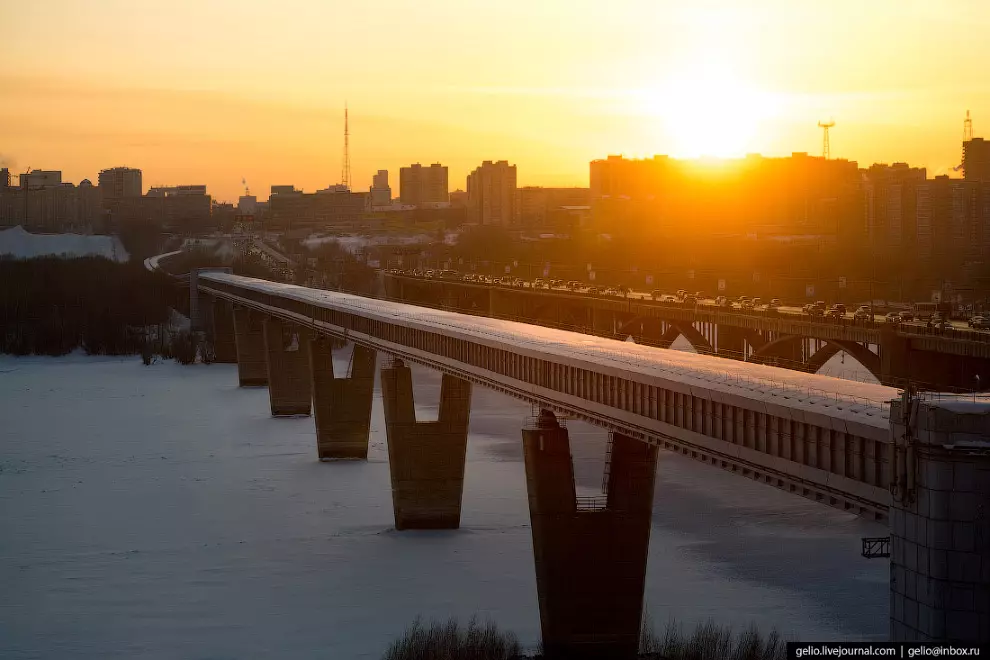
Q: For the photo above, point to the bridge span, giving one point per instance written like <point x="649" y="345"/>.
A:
<point x="828" y="439"/>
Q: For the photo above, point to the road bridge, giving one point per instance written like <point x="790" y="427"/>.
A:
<point x="827" y="439"/>
<point x="895" y="355"/>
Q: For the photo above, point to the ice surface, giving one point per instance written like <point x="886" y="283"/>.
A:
<point x="23" y="245"/>
<point x="160" y="512"/>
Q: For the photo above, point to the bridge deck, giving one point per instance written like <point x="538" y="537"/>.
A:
<point x="840" y="399"/>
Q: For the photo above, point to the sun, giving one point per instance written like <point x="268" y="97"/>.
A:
<point x="706" y="109"/>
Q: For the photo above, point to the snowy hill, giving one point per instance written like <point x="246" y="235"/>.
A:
<point x="23" y="245"/>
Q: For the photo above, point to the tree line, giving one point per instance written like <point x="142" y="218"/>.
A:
<point x="52" y="306"/>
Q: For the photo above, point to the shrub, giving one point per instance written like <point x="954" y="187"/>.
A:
<point x="448" y="641"/>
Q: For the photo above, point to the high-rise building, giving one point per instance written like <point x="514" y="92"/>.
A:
<point x="491" y="192"/>
<point x="891" y="194"/>
<point x="120" y="182"/>
<point x="381" y="194"/>
<point x="4" y="178"/>
<point x="537" y="206"/>
<point x="420" y="185"/>
<point x="976" y="160"/>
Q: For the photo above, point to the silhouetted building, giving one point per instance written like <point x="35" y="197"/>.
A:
<point x="953" y="219"/>
<point x="491" y="192"/>
<point x="4" y="178"/>
<point x="381" y="194"/>
<point x="459" y="199"/>
<point x="246" y="205"/>
<point x="41" y="179"/>
<point x="283" y="190"/>
<point x="120" y="182"/>
<point x="976" y="160"/>
<point x="537" y="206"/>
<point x="322" y="209"/>
<point x="420" y="185"/>
<point x="47" y="204"/>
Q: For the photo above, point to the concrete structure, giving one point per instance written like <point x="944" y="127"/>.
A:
<point x="381" y="194"/>
<point x="491" y="192"/>
<point x="423" y="185"/>
<point x="834" y="441"/>
<point x="287" y="362"/>
<point x="118" y="182"/>
<point x="940" y="520"/>
<point x="342" y="406"/>
<point x="247" y="204"/>
<point x="597" y="615"/>
<point x="224" y="342"/>
<point x="426" y="459"/>
<point x="252" y="355"/>
<point x="895" y="355"/>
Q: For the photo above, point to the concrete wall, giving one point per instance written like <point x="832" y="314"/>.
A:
<point x="289" y="383"/>
<point x="940" y="521"/>
<point x="252" y="361"/>
<point x="342" y="406"/>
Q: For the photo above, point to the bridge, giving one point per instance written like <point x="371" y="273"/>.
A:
<point x="860" y="447"/>
<point x="895" y="355"/>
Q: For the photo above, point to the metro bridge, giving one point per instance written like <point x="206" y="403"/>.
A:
<point x="894" y="355"/>
<point x="861" y="447"/>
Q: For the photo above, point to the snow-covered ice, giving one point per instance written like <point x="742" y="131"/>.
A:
<point x="20" y="244"/>
<point x="160" y="512"/>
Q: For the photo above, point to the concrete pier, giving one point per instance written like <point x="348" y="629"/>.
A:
<point x="342" y="406"/>
<point x="426" y="459"/>
<point x="224" y="343"/>
<point x="940" y="520"/>
<point x="289" y="388"/>
<point x="590" y="555"/>
<point x="252" y="362"/>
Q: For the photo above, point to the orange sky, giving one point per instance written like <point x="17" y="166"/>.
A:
<point x="209" y="91"/>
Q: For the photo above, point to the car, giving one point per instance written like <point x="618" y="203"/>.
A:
<point x="840" y="306"/>
<point x="656" y="294"/>
<point x="690" y="300"/>
<point x="892" y="317"/>
<point x="757" y="302"/>
<point x="774" y="303"/>
<point x="699" y="295"/>
<point x="863" y="314"/>
<point x="981" y="323"/>
<point x="907" y="316"/>
<point x="834" y="313"/>
<point x="538" y="283"/>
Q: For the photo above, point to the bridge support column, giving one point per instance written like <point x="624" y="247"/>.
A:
<point x="342" y="406"/>
<point x="426" y="459"/>
<point x="224" y="342"/>
<point x="288" y="368"/>
<point x="252" y="362"/>
<point x="940" y="534"/>
<point x="590" y="561"/>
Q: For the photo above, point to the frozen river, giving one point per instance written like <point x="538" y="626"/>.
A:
<point x="160" y="512"/>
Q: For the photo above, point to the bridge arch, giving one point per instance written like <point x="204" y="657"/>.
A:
<point x="778" y="348"/>
<point x="674" y="330"/>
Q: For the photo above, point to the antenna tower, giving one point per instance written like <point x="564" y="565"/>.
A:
<point x="345" y="174"/>
<point x="967" y="128"/>
<point x="825" y="125"/>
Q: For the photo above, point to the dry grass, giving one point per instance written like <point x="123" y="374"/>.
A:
<point x="449" y="641"/>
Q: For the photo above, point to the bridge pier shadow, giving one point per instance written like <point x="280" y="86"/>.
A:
<point x="426" y="459"/>
<point x="590" y="555"/>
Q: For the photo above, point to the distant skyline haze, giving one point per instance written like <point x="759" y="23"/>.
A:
<point x="211" y="91"/>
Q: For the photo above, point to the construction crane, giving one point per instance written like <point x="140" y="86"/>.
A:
<point x="967" y="136"/>
<point x="825" y="125"/>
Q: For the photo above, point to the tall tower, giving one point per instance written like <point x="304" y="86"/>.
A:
<point x="345" y="174"/>
<point x="825" y="125"/>
<point x="967" y="128"/>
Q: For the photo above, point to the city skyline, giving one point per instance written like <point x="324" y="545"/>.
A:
<point x="549" y="89"/>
